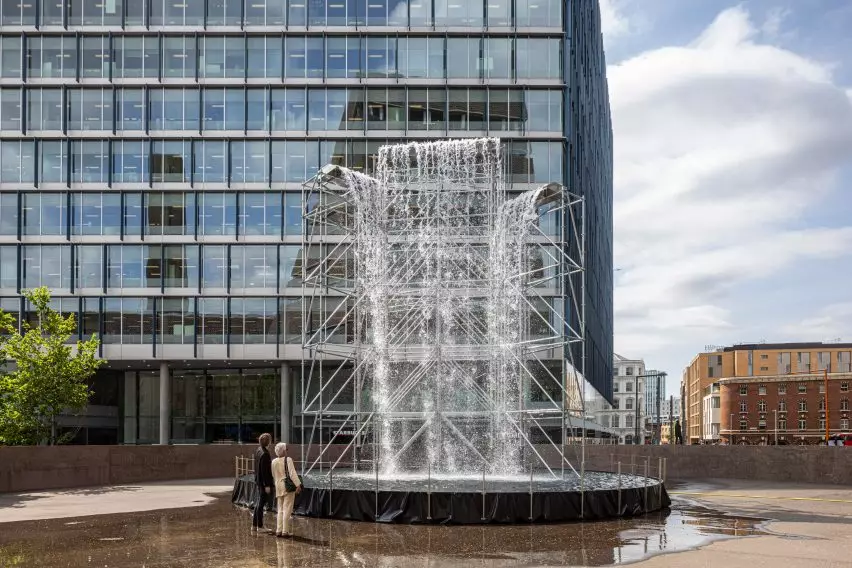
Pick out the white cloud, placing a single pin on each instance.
(831, 322)
(614, 22)
(721, 146)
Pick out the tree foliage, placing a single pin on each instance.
(43, 375)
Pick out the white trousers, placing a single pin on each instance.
(285, 511)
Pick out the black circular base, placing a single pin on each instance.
(419, 500)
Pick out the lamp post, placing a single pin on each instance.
(731, 430)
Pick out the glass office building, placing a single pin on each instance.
(152, 154)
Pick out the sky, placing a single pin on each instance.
(733, 174)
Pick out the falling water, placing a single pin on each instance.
(441, 259)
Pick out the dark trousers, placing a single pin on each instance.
(262, 499)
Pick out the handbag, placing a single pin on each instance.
(289, 486)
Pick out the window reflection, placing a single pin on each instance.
(261, 214)
(253, 267)
(48, 265)
(218, 213)
(96, 213)
(215, 266)
(177, 321)
(181, 266)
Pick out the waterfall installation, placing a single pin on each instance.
(443, 337)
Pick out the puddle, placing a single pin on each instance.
(218, 535)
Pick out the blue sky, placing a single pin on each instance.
(733, 173)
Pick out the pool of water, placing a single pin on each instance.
(218, 535)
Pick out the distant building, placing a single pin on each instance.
(710, 414)
(628, 398)
(761, 383)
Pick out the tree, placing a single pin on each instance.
(46, 375)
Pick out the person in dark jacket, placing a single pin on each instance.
(263, 479)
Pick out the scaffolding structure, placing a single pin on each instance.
(443, 317)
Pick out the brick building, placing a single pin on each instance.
(761, 381)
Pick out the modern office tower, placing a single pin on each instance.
(152, 155)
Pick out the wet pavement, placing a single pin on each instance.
(217, 535)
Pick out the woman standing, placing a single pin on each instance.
(283, 469)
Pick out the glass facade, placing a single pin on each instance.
(153, 153)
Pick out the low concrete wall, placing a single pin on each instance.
(814, 464)
(37, 468)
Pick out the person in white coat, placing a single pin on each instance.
(282, 467)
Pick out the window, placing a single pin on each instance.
(803, 405)
(802, 388)
(222, 57)
(803, 424)
(130, 161)
(823, 360)
(615, 386)
(91, 13)
(8, 214)
(170, 213)
(94, 57)
(782, 405)
(615, 421)
(44, 214)
(223, 109)
(10, 57)
(844, 424)
(803, 362)
(48, 265)
(134, 266)
(844, 404)
(10, 110)
(172, 13)
(628, 403)
(844, 387)
(538, 58)
(177, 320)
(173, 109)
(217, 213)
(761, 405)
(628, 386)
(743, 425)
(266, 55)
(128, 320)
(90, 109)
(743, 406)
(17, 13)
(538, 13)
(288, 110)
(17, 158)
(822, 424)
(761, 424)
(822, 388)
(51, 56)
(266, 13)
(764, 368)
(822, 404)
(743, 390)
(616, 404)
(782, 388)
(261, 214)
(181, 266)
(88, 269)
(253, 320)
(8, 268)
(215, 267)
(89, 161)
(213, 320)
(761, 390)
(784, 363)
(179, 57)
(628, 421)
(253, 267)
(843, 361)
(95, 213)
(782, 423)
(249, 162)
(543, 111)
(170, 161)
(130, 110)
(210, 162)
(764, 356)
(135, 56)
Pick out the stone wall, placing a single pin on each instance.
(38, 468)
(797, 464)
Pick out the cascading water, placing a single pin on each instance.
(440, 262)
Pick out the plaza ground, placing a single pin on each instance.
(809, 526)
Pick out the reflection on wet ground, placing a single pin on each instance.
(218, 535)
